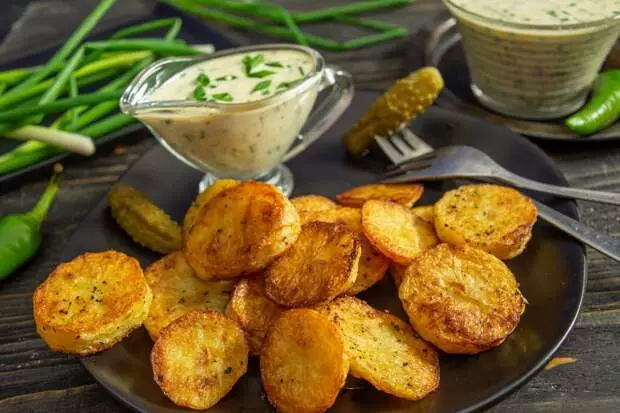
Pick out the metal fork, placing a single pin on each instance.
(467, 162)
(449, 163)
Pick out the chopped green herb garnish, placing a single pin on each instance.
(199, 94)
(223, 97)
(261, 86)
(301, 70)
(274, 64)
(552, 13)
(265, 92)
(203, 80)
(261, 74)
(250, 62)
(227, 77)
(572, 4)
(288, 85)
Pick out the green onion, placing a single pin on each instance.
(351, 8)
(61, 55)
(199, 94)
(261, 86)
(71, 142)
(251, 25)
(173, 22)
(224, 97)
(203, 80)
(60, 105)
(154, 45)
(250, 62)
(74, 92)
(374, 38)
(261, 74)
(18, 159)
(292, 26)
(225, 78)
(91, 69)
(301, 71)
(274, 64)
(366, 23)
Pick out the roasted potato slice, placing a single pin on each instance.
(425, 212)
(320, 266)
(313, 203)
(92, 302)
(240, 231)
(177, 291)
(384, 350)
(461, 299)
(198, 358)
(494, 218)
(403, 194)
(396, 231)
(397, 272)
(303, 364)
(192, 214)
(253, 310)
(373, 264)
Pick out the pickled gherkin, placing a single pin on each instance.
(409, 97)
(144, 221)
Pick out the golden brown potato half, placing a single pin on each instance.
(425, 212)
(403, 194)
(320, 266)
(240, 231)
(309, 203)
(199, 358)
(494, 218)
(396, 231)
(373, 265)
(92, 302)
(384, 350)
(253, 310)
(177, 291)
(192, 214)
(461, 299)
(397, 272)
(303, 364)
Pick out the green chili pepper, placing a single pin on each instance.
(603, 109)
(20, 234)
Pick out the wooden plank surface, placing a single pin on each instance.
(33, 379)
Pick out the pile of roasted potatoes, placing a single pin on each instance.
(252, 273)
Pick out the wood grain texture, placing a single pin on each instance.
(34, 379)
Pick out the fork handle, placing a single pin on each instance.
(563, 191)
(601, 242)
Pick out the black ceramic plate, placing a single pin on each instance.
(193, 31)
(551, 272)
(444, 50)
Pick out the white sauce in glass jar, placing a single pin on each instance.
(535, 58)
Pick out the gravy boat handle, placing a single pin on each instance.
(326, 112)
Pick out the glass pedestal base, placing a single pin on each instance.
(280, 176)
(533, 113)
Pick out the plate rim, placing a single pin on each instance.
(485, 403)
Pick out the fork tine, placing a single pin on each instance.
(402, 146)
(404, 164)
(415, 142)
(394, 155)
(416, 165)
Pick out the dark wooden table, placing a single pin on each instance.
(34, 379)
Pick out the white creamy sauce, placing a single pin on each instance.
(543, 12)
(238, 143)
(229, 76)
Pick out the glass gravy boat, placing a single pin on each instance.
(246, 140)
